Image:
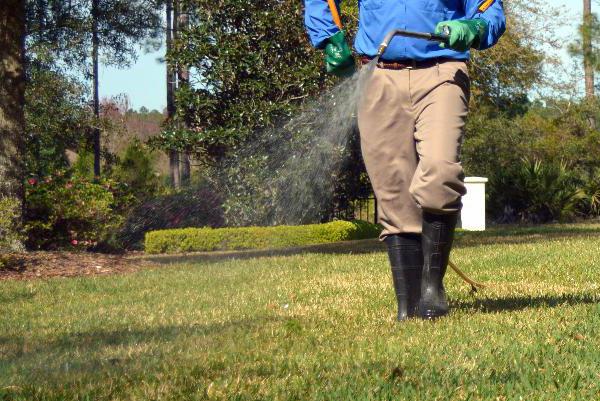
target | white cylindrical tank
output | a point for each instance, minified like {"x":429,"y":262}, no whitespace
{"x":472,"y":215}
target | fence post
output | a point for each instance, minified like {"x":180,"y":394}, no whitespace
{"x":375,"y":213}
{"x":472,"y":215}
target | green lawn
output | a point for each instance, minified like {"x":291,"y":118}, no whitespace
{"x":314,"y":326}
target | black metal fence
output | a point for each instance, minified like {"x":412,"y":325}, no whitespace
{"x":359,"y":209}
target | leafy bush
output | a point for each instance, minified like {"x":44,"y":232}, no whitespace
{"x":591,"y":203}
{"x":197,"y":207}
{"x":69,"y":212}
{"x":10,"y":236}
{"x":536,"y":191}
{"x":208,"y":239}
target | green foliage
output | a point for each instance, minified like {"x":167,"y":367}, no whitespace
{"x":57,"y":119}
{"x":199,"y":206}
{"x":135,"y":168}
{"x":253,"y":65}
{"x":247,"y":201}
{"x":542,"y":165}
{"x":63,"y":211}
{"x":537,"y":191}
{"x":11,"y":237}
{"x":207,"y":239}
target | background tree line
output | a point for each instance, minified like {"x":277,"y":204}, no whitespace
{"x":234,"y":71}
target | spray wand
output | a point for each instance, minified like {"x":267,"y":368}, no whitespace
{"x":443,"y":38}
{"x":433,"y":37}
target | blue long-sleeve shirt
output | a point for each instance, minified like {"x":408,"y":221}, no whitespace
{"x":378,"y":17}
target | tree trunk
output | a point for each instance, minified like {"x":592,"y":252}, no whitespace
{"x":95,"y":45}
{"x":12,"y":102}
{"x":169,"y":41}
{"x":174,"y":167}
{"x":587,"y":49}
{"x":186,"y":169}
{"x":173,"y":154}
{"x":183,"y":80}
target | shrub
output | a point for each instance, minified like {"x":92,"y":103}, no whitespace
{"x":198,"y":207}
{"x":536,"y":191}
{"x":590,"y":205}
{"x":10,"y":236}
{"x":237,"y":238}
{"x":69,"y":212}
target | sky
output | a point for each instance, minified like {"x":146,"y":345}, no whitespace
{"x":144,"y":81}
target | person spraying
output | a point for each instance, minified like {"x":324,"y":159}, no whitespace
{"x":411,"y":119}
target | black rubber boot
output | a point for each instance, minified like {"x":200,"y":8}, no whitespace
{"x":437,"y":236}
{"x":406,"y":259}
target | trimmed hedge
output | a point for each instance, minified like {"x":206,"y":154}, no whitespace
{"x":237,"y":238}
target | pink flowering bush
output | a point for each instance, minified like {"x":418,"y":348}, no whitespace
{"x":63,"y":211}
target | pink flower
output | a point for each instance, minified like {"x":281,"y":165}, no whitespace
{"x":69,"y":185}
{"x":32,"y":181}
{"x":74,"y":242}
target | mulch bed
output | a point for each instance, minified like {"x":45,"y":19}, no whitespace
{"x":32,"y":265}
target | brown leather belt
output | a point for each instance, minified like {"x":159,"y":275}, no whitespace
{"x":405,"y":64}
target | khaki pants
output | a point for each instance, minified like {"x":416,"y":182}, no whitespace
{"x":411,"y":125}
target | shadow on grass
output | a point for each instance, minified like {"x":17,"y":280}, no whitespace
{"x":496,"y":236}
{"x":515,"y":303}
{"x":14,"y":348}
{"x":342,"y":248}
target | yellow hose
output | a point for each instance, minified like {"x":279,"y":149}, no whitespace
{"x":334,"y":13}
{"x":474,"y":284}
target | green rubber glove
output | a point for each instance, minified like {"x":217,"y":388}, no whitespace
{"x":464,"y":34}
{"x":338,"y":56}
